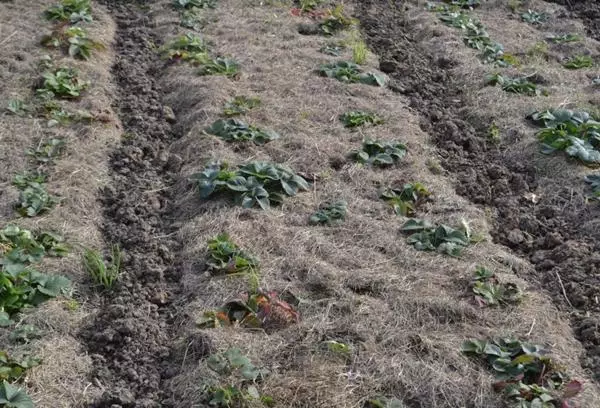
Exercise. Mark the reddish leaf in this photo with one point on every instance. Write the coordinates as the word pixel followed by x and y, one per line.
pixel 573 388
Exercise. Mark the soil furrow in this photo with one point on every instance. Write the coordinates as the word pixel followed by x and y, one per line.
pixel 129 338
pixel 556 233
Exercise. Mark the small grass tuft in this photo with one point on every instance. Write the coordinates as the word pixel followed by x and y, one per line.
pixel 104 272
pixel 578 62
pixel 220 66
pixel 355 119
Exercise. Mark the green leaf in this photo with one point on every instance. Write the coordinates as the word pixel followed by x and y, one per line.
pixel 13 397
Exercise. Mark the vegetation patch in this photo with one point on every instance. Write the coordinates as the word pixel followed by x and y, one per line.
pixel 252 310
pixel 349 72
pixel 62 83
pixel 578 62
pixel 72 11
pixel 334 48
pixel 575 132
pixel 224 256
pixel 104 272
pixel 526 375
pixel 220 66
pixel 424 236
pixel 407 199
pixel 240 105
pixel 489 291
pixel 12 369
pixel 235 385
pixel 14 397
pixel 74 40
pixel 564 38
pixel 234 130
pixel 379 153
pixel 34 199
pixel 354 119
pixel 519 85
pixel 21 286
pixel 594 181
pixel 191 4
pixel 534 17
pixel 336 20
pixel 256 183
pixel 330 213
pixel 46 152
pixel 188 47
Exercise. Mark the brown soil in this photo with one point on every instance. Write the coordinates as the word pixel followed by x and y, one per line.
pixel 559 233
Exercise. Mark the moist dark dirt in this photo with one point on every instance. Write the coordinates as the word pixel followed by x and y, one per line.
pixel 129 340
pixel 557 233
pixel 586 10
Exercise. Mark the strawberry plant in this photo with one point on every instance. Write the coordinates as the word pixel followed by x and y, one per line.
pixel 575 132
pixel 533 17
pixel 330 213
pixel 257 182
pixel 424 236
pixel 349 72
pixel 464 3
pixel 379 153
pixel 334 49
pixel 33 198
pixel 235 386
pixel 234 130
pixel 13 397
pixel 226 257
pixel 62 83
pixel 336 20
pixel 14 369
pixel 70 10
pixel 526 375
pixel 354 119
pixel 490 292
pixel 259 309
pixel 405 200
pixel 17 107
pixel 240 105
pixel 220 66
pixel 190 4
pixel 188 47
pixel 104 272
pixel 383 402
pixel 520 85
pixel 594 181
pixel 57 115
pixel 564 38
pixel 46 152
pixel 578 62
pixel 74 39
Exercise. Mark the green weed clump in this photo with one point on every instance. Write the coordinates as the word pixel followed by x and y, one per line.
pixel 330 213
pixel 564 38
pixel 578 62
pixel 240 105
pixel 34 199
pixel 354 119
pixel 489 291
pixel 220 66
pixel 576 133
pixel 379 153
pixel 349 72
pixel 424 236
pixel 72 11
pixel 256 183
pixel 104 272
pixel 188 47
pixel 519 85
pixel 594 181
pixel 191 4
pixel 234 130
pixel 20 285
pixel 407 199
pixel 526 376
pixel 62 83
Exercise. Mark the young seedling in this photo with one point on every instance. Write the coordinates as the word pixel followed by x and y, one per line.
pixel 564 38
pixel 520 85
pixel 73 11
pixel 575 132
pixel 46 152
pixel 234 130
pixel 405 201
pixel 490 292
pixel 533 17
pixel 240 105
pixel 256 183
pixel 354 119
pixel 226 257
pixel 62 83
pixel 104 272
pixel 358 47
pixel 379 153
pixel 349 72
pixel 330 214
pixel 188 47
pixel 334 49
pixel 526 376
pixel 220 66
pixel 424 236
pixel 578 62
pixel 17 107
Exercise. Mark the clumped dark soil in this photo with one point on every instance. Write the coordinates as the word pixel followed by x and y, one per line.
pixel 557 232
pixel 129 340
pixel 586 10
